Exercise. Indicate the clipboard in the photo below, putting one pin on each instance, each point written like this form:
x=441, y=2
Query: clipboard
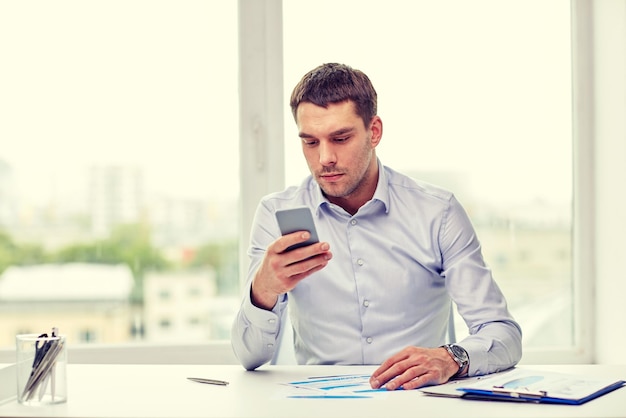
x=536, y=386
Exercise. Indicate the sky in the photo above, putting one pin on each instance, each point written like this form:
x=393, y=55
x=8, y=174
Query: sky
x=478, y=87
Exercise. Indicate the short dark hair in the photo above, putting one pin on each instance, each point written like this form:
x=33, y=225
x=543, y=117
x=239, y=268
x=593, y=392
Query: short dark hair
x=335, y=83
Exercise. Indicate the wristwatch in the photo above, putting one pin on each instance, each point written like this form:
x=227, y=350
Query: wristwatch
x=459, y=355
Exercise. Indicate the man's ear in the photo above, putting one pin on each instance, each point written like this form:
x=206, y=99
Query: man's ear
x=376, y=129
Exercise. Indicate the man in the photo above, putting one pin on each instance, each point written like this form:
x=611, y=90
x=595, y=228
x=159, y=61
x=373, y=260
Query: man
x=401, y=251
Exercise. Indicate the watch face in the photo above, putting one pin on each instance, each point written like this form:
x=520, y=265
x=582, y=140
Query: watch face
x=459, y=353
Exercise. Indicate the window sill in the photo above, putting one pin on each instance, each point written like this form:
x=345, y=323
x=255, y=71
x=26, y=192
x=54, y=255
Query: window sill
x=211, y=352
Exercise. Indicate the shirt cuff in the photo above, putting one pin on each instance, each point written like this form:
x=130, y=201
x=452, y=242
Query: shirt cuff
x=266, y=321
x=478, y=360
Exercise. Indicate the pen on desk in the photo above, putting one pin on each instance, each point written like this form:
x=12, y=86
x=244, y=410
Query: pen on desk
x=209, y=381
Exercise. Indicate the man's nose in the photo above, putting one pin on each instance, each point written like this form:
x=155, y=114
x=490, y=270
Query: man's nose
x=327, y=154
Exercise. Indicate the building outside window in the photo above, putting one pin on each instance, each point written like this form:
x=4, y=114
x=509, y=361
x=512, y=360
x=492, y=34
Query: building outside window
x=119, y=146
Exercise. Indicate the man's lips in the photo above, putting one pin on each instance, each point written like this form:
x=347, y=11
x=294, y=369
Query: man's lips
x=331, y=177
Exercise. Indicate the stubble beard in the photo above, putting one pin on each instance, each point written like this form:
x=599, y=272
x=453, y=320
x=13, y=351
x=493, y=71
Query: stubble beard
x=349, y=188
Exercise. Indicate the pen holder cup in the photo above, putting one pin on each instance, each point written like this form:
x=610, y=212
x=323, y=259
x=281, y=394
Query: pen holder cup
x=41, y=369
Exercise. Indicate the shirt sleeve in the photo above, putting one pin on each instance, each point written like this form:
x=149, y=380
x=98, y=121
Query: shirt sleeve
x=255, y=331
x=494, y=342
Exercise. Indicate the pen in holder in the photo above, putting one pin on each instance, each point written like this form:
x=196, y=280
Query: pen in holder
x=41, y=368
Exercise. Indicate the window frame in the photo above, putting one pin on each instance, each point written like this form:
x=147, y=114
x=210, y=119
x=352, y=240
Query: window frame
x=583, y=221
x=582, y=206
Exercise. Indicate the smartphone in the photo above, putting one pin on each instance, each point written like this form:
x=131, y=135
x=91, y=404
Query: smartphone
x=297, y=219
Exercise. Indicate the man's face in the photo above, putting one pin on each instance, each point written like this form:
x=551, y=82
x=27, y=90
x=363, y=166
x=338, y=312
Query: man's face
x=340, y=149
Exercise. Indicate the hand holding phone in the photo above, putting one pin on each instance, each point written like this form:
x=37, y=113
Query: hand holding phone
x=297, y=219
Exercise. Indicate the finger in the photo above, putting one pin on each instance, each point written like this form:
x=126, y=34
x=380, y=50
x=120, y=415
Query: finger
x=288, y=240
x=295, y=279
x=403, y=372
x=412, y=377
x=388, y=369
x=382, y=378
x=410, y=380
x=417, y=382
x=309, y=265
x=390, y=362
x=310, y=256
x=417, y=376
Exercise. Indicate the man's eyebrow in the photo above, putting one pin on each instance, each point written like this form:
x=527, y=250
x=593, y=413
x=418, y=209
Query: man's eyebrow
x=342, y=131
x=304, y=135
x=338, y=132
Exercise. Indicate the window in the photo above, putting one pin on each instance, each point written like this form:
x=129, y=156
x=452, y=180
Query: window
x=86, y=336
x=475, y=97
x=118, y=147
x=118, y=129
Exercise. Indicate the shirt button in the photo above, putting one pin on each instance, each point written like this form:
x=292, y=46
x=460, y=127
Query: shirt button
x=271, y=321
x=369, y=340
x=270, y=345
x=366, y=303
x=353, y=222
x=360, y=262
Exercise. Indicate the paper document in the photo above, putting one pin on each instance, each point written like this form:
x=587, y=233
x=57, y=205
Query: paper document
x=340, y=386
x=451, y=388
x=538, y=386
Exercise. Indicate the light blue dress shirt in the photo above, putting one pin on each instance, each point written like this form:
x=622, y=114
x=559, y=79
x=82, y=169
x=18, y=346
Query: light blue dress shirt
x=397, y=265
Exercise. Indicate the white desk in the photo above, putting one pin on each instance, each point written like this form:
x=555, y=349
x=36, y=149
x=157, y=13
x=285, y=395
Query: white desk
x=163, y=391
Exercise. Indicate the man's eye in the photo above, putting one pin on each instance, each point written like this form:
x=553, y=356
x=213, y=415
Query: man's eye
x=342, y=139
x=309, y=142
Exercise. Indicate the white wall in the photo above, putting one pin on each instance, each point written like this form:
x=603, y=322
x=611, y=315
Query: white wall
x=609, y=116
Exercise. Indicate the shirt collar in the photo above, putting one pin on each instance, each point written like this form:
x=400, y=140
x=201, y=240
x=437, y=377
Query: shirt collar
x=381, y=193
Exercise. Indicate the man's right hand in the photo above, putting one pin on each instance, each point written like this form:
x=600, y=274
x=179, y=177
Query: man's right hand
x=281, y=270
